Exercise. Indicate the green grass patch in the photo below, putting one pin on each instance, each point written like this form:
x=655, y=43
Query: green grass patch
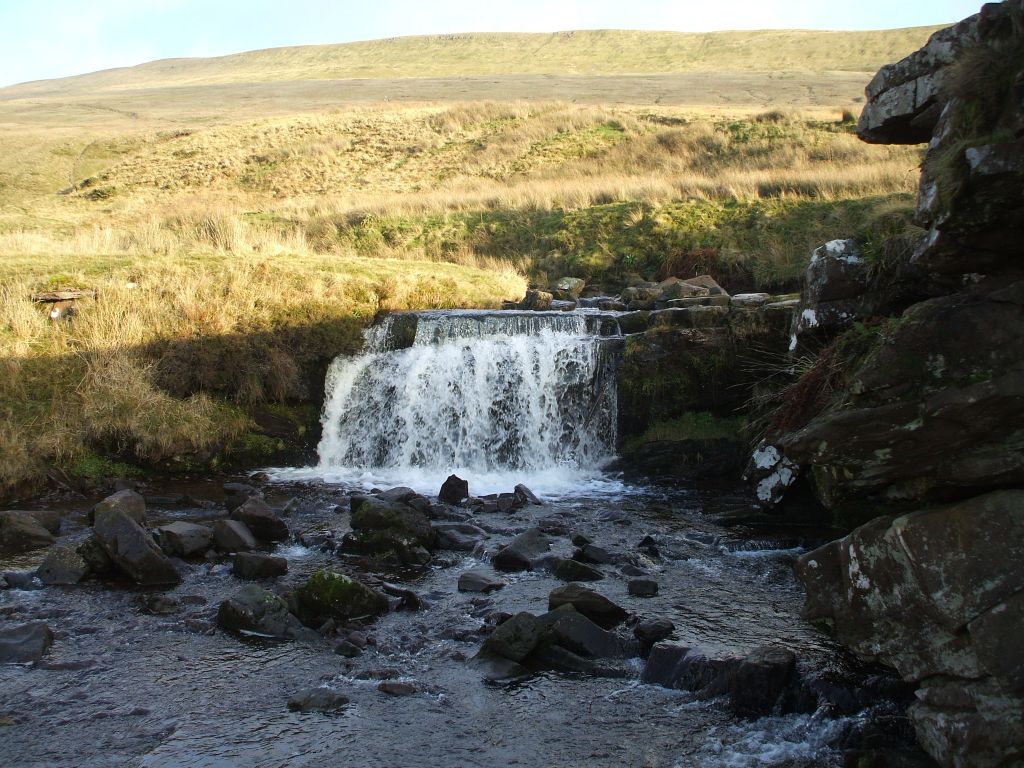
x=695, y=425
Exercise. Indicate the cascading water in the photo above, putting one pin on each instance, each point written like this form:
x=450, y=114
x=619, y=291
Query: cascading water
x=498, y=397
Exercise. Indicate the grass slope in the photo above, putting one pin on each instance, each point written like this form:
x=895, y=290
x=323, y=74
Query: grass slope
x=602, y=52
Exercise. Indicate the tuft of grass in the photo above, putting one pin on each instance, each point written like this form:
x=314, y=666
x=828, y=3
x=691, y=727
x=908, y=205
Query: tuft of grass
x=693, y=425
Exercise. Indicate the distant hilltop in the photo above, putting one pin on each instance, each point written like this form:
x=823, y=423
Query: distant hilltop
x=597, y=52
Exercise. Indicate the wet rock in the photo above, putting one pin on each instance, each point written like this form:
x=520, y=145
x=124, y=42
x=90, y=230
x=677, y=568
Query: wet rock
x=748, y=300
x=180, y=539
x=495, y=669
x=526, y=496
x=161, y=605
x=23, y=580
x=236, y=494
x=233, y=536
x=651, y=631
x=634, y=322
x=25, y=644
x=591, y=604
x=580, y=540
x=330, y=595
x=575, y=632
x=573, y=570
x=454, y=490
x=398, y=495
x=396, y=687
x=770, y=473
x=479, y=581
x=127, y=501
x=591, y=553
x=131, y=548
x=318, y=700
x=386, y=529
x=569, y=288
x=21, y=532
x=95, y=556
x=264, y=523
x=253, y=565
x=514, y=639
x=461, y=537
x=552, y=526
x=758, y=682
x=63, y=565
x=521, y=552
x=536, y=300
x=257, y=611
x=348, y=649
x=643, y=587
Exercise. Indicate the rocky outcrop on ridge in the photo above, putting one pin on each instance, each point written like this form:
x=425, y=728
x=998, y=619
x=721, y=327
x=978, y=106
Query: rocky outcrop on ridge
x=917, y=425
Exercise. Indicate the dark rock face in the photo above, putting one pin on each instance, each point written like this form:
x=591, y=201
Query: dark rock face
x=576, y=633
x=63, y=565
x=454, y=490
x=515, y=639
x=317, y=700
x=253, y=565
x=25, y=644
x=261, y=519
x=21, y=532
x=127, y=501
x=181, y=539
x=522, y=551
x=260, y=612
x=334, y=596
x=132, y=549
x=922, y=442
x=591, y=604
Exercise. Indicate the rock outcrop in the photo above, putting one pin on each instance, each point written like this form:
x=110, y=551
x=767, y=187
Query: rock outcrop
x=912, y=423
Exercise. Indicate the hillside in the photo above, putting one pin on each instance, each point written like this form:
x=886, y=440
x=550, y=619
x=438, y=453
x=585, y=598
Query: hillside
x=603, y=52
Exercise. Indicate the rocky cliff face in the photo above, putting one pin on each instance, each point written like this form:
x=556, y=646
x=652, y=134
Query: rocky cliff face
x=917, y=424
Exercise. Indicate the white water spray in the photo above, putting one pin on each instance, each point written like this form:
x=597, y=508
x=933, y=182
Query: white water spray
x=497, y=397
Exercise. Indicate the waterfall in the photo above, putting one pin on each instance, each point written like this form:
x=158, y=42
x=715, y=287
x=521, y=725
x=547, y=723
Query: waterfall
x=497, y=396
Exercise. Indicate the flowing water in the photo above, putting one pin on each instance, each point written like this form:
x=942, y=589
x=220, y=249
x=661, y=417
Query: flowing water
x=144, y=678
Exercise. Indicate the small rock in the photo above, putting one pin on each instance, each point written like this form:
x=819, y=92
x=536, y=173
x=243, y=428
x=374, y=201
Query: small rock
x=653, y=630
x=454, y=490
x=580, y=540
x=396, y=687
x=591, y=604
x=161, y=605
x=330, y=595
x=23, y=580
x=236, y=494
x=233, y=536
x=573, y=570
x=348, y=650
x=479, y=581
x=522, y=551
x=399, y=495
x=63, y=565
x=254, y=565
x=180, y=539
x=21, y=532
x=257, y=611
x=25, y=644
x=461, y=537
x=643, y=587
x=514, y=639
x=528, y=495
x=591, y=553
x=317, y=700
x=261, y=519
x=552, y=526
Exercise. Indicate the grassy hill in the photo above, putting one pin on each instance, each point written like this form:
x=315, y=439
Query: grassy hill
x=239, y=234
x=602, y=52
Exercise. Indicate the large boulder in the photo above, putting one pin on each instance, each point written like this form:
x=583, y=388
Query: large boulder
x=256, y=611
x=260, y=518
x=515, y=639
x=132, y=549
x=520, y=553
x=21, y=532
x=333, y=596
x=25, y=644
x=454, y=490
x=256, y=565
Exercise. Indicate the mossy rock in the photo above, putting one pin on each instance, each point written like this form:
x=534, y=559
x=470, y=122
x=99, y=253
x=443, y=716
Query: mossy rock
x=329, y=595
x=397, y=520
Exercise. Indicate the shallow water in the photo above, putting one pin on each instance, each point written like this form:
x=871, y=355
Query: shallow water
x=125, y=687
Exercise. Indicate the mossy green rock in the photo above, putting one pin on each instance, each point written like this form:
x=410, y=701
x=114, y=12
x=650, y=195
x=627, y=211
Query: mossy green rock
x=330, y=595
x=390, y=530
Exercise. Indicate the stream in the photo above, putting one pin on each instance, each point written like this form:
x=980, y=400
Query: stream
x=144, y=677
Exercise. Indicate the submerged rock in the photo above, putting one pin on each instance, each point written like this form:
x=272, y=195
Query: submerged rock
x=257, y=611
x=479, y=581
x=333, y=596
x=318, y=700
x=131, y=548
x=25, y=644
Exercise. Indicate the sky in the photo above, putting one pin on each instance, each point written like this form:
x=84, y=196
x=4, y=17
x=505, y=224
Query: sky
x=41, y=39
